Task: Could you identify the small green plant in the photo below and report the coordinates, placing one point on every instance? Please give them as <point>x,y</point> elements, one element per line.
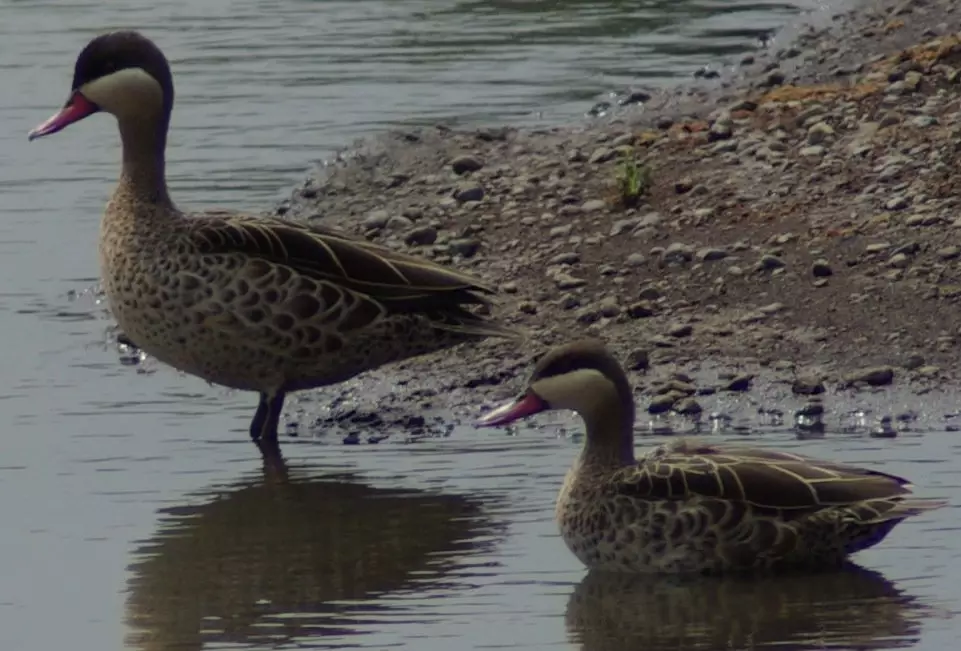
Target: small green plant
<point>633,182</point>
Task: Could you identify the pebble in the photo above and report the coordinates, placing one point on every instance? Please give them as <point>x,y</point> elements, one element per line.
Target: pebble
<point>466,163</point>
<point>376,220</point>
<point>420,236</point>
<point>466,247</point>
<point>821,269</point>
<point>635,260</point>
<point>807,386</point>
<point>770,262</point>
<point>812,409</point>
<point>677,252</point>
<point>660,404</point>
<point>593,205</point>
<point>875,376</point>
<point>683,185</point>
<point>639,359</point>
<point>722,129</point>
<point>740,382</point>
<point>640,310</point>
<point>565,281</point>
<point>681,330</point>
<point>948,252</point>
<point>819,133</point>
<point>897,203</point>
<point>709,254</point>
<point>470,192</point>
<point>601,155</point>
<point>687,407</point>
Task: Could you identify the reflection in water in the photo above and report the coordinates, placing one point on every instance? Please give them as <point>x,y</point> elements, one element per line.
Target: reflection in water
<point>856,608</point>
<point>276,558</point>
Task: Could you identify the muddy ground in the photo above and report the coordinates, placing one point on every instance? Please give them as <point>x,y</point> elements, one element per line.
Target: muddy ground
<point>790,221</point>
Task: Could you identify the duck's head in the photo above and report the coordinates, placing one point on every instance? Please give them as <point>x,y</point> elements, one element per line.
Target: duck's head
<point>581,376</point>
<point>122,73</point>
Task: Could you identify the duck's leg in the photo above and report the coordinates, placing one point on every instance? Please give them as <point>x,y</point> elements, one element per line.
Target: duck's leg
<point>263,428</point>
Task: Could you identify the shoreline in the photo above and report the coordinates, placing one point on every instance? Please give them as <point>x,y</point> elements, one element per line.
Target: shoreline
<point>790,223</point>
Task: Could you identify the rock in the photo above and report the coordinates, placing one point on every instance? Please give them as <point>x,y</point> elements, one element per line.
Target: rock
<point>948,252</point>
<point>913,361</point>
<point>688,407</point>
<point>609,308</point>
<point>819,133</point>
<point>821,269</point>
<point>664,122</point>
<point>812,151</point>
<point>709,254</point>
<point>899,261</point>
<point>677,252</point>
<point>771,262</point>
<point>807,386</point>
<point>683,185</point>
<point>565,281</point>
<point>569,257</point>
<point>875,376</point>
<point>399,223</point>
<point>623,225</point>
<point>635,260</point>
<point>639,359</point>
<point>923,121</point>
<point>812,409</point>
<point>466,246</point>
<point>469,192</point>
<point>929,370</point>
<point>601,155</point>
<point>420,236</point>
<point>588,315</point>
<point>640,310</point>
<point>660,404</point>
<point>466,163</point>
<point>740,382</point>
<point>896,203</point>
<point>774,78</point>
<point>376,220</point>
<point>681,330</point>
<point>593,205</point>
<point>722,129</point>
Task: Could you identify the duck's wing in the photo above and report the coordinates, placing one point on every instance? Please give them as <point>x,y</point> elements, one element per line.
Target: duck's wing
<point>395,281</point>
<point>764,479</point>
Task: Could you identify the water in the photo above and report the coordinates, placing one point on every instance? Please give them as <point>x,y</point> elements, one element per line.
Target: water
<point>136,512</point>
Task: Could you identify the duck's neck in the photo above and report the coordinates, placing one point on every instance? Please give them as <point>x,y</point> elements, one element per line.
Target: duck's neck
<point>610,434</point>
<point>143,173</point>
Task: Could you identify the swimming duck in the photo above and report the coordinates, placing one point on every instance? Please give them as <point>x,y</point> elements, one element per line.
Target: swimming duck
<point>251,303</point>
<point>690,506</point>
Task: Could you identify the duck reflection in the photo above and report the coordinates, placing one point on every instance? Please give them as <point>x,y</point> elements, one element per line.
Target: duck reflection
<point>275,558</point>
<point>854,608</point>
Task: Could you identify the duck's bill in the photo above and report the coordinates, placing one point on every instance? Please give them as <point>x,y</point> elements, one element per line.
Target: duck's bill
<point>77,108</point>
<point>527,405</point>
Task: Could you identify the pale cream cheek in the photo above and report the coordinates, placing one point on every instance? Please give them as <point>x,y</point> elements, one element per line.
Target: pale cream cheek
<point>125,93</point>
<point>586,391</point>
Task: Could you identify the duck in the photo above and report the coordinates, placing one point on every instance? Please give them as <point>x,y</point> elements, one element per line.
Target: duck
<point>243,301</point>
<point>693,506</point>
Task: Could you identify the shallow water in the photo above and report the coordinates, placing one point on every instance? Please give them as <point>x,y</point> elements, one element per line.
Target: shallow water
<point>136,512</point>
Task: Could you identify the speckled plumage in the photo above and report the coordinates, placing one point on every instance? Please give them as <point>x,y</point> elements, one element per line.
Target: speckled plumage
<point>254,303</point>
<point>691,506</point>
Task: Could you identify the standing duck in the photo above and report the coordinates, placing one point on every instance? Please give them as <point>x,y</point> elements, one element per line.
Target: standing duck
<point>696,507</point>
<point>250,303</point>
